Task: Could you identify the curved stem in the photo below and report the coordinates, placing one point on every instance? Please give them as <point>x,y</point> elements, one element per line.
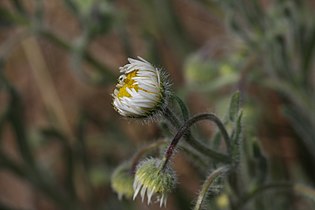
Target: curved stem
<point>207,184</point>
<point>185,128</point>
<point>142,151</point>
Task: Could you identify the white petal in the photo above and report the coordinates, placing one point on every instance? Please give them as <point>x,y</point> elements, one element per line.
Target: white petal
<point>161,200</point>
<point>137,188</point>
<point>150,193</point>
<point>143,193</point>
<point>165,200</point>
<point>120,196</point>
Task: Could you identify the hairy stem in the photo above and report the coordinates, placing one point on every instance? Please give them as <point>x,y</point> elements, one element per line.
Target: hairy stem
<point>143,151</point>
<point>194,143</point>
<point>207,184</point>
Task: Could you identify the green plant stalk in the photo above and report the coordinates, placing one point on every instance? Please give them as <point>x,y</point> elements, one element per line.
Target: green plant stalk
<point>143,151</point>
<point>207,184</point>
<point>195,143</point>
<point>185,128</point>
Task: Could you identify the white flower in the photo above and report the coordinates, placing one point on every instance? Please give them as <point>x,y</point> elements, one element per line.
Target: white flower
<point>151,179</point>
<point>141,90</point>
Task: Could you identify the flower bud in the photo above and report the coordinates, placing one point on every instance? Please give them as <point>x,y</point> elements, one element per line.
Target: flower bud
<point>122,180</point>
<point>151,179</point>
<point>142,90</point>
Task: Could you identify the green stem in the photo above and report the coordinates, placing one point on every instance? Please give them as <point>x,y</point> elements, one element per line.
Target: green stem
<point>207,184</point>
<point>185,128</point>
<point>172,118</point>
<point>191,140</point>
<point>143,151</point>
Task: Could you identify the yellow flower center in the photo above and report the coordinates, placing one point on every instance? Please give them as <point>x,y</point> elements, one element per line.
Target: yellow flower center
<point>128,82</point>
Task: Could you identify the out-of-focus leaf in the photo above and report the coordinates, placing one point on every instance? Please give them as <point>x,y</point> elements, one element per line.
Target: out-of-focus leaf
<point>216,140</point>
<point>236,139</point>
<point>303,127</point>
<point>104,74</point>
<point>217,84</point>
<point>96,17</point>
<point>309,50</point>
<point>182,107</point>
<point>6,207</point>
<point>102,17</point>
<point>3,118</point>
<point>19,6</point>
<point>50,133</point>
<point>6,19</point>
<point>16,118</point>
<point>234,106</point>
<point>68,155</point>
<point>99,176</point>
<point>72,6</point>
<point>305,191</point>
<point>198,70</point>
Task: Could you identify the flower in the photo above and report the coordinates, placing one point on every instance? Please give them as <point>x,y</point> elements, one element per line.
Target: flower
<point>142,90</point>
<point>150,178</point>
<point>122,180</point>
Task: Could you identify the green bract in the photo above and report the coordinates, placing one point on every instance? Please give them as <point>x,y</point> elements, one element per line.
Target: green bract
<point>151,179</point>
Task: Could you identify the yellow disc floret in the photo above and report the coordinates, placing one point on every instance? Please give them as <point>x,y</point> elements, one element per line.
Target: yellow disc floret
<point>128,82</point>
<point>140,91</point>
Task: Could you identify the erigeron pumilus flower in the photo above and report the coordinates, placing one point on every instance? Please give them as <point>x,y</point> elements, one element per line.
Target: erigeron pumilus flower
<point>151,179</point>
<point>122,181</point>
<point>142,90</point>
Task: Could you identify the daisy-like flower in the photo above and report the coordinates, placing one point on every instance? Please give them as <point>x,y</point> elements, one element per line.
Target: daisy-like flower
<point>142,90</point>
<point>151,180</point>
<point>122,181</point>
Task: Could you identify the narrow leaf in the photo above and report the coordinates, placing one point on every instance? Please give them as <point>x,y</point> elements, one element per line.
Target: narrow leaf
<point>234,106</point>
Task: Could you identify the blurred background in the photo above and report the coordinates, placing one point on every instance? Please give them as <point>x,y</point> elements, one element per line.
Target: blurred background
<point>60,138</point>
